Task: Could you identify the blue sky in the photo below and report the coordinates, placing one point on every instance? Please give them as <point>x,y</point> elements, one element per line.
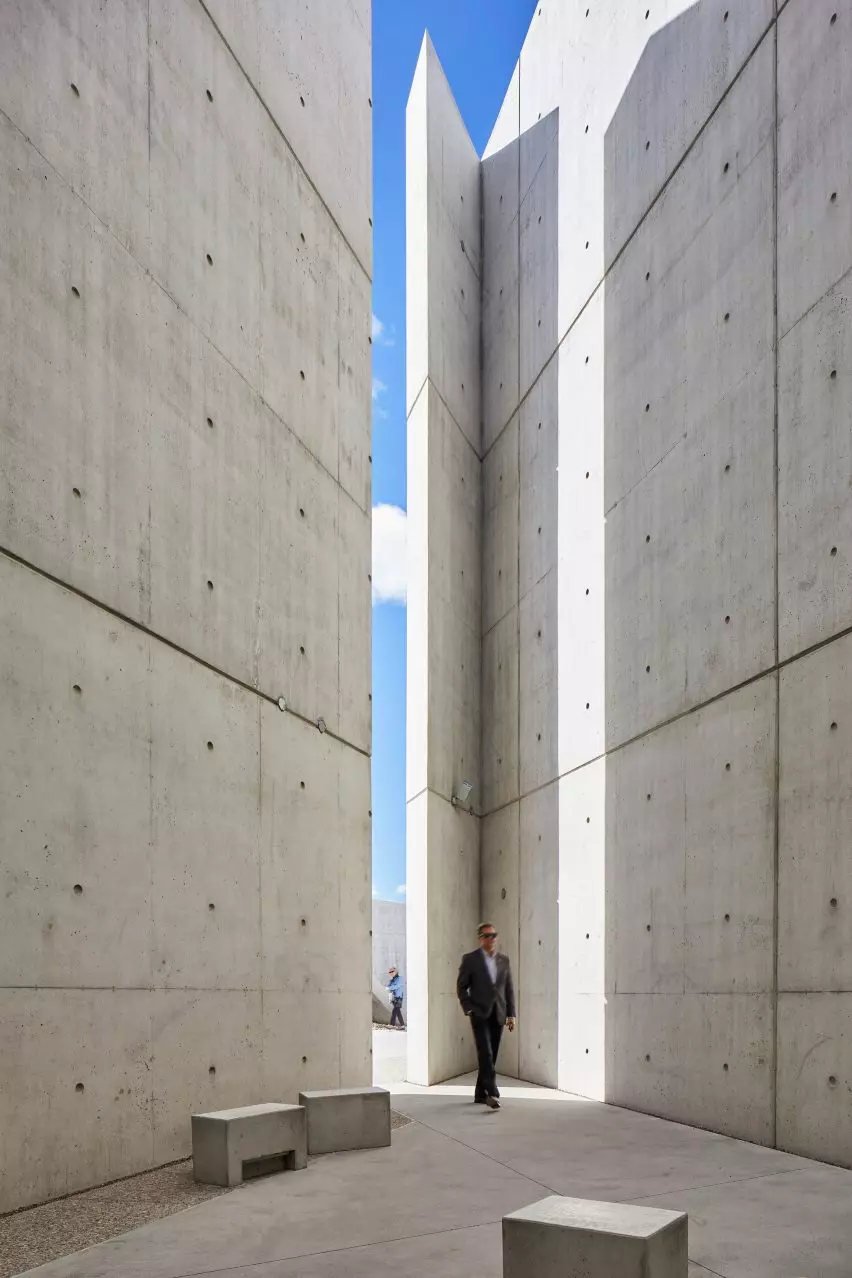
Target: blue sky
<point>478,42</point>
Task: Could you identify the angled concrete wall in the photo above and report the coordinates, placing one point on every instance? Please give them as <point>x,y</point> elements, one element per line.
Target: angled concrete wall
<point>184,539</point>
<point>677,321</point>
<point>444,538</point>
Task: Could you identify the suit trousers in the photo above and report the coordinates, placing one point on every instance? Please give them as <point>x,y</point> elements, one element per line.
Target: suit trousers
<point>487,1032</point>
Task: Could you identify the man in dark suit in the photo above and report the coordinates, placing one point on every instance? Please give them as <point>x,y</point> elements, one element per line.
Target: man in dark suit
<point>487,996</point>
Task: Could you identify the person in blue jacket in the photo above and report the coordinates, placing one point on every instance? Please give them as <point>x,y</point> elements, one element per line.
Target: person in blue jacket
<point>394,988</point>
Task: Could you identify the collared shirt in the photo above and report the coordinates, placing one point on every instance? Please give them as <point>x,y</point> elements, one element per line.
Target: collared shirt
<point>491,964</point>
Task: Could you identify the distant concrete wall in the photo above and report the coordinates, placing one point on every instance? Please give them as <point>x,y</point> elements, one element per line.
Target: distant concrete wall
<point>389,940</point>
<point>444,539</point>
<point>690,164</point>
<point>185,263</point>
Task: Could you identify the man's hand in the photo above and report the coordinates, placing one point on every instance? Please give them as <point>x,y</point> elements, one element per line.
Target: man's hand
<point>510,1023</point>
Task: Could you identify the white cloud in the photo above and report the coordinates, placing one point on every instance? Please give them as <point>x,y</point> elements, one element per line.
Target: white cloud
<point>390,554</point>
<point>400,891</point>
<point>382,336</point>
<point>379,388</point>
<point>375,891</point>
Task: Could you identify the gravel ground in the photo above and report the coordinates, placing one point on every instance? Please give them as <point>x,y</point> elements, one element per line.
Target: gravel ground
<point>39,1234</point>
<point>33,1237</point>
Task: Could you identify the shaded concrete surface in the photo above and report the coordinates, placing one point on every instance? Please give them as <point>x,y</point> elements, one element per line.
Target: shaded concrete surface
<point>433,1202</point>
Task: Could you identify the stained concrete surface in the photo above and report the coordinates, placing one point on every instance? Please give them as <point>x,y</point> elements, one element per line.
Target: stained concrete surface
<point>432,1204</point>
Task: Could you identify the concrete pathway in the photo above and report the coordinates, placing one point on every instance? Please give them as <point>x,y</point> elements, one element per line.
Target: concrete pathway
<point>432,1204</point>
<point>390,1056</point>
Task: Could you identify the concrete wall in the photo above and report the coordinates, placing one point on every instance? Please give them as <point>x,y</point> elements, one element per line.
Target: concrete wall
<point>680,315</point>
<point>444,540</point>
<point>184,539</point>
<point>389,941</point>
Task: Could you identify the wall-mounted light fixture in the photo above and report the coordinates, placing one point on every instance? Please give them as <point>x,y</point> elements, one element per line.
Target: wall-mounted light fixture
<point>461,794</point>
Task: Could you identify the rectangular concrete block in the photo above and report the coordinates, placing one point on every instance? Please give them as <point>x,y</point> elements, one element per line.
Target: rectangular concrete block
<point>581,1238</point>
<point>347,1118</point>
<point>223,1142</point>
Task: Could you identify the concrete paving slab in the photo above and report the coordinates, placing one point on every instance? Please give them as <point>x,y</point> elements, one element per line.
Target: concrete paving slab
<point>432,1204</point>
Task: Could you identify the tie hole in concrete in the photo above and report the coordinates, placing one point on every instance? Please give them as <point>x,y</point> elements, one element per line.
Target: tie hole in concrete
<point>78,889</point>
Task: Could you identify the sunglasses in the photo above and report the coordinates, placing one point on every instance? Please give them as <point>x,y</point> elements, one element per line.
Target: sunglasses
<point>489,936</point>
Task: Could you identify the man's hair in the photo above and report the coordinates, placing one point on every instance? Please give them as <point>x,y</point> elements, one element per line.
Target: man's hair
<point>483,927</point>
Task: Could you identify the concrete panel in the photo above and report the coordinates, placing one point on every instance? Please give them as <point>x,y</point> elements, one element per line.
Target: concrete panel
<point>455,516</point>
<point>355,1040</point>
<point>705,252</point>
<point>500,290</point>
<point>702,1059</point>
<point>684,72</point>
<point>815,475</point>
<point>815,822</point>
<point>539,255</point>
<point>416,234</point>
<point>74,791</point>
<point>417,936</point>
<point>453,903</point>
<point>75,499</point>
<point>454,701</point>
<point>500,740</point>
<point>500,894</point>
<point>204,761</point>
<point>538,945</point>
<point>814,154</point>
<point>354,408</point>
<point>83,102</point>
<point>205,1054</point>
<point>301,1043</point>
<point>454,281</point>
<point>582,922</point>
<point>417,603</point>
<point>205,156</point>
<point>310,62</point>
<point>539,457</point>
<point>581,644</point>
<point>204,475</point>
<point>690,819</point>
<point>500,528</point>
<point>300,306</point>
<point>354,622</point>
<point>815,1076</point>
<point>299,586</point>
<point>388,919</point>
<point>538,686</point>
<point>690,580</point>
<point>315,921</point>
<point>83,1055</point>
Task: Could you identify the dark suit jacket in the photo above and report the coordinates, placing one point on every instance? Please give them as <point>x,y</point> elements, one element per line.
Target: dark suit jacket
<point>478,994</point>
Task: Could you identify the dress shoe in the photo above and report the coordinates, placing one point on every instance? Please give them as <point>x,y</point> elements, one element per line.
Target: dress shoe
<point>492,1102</point>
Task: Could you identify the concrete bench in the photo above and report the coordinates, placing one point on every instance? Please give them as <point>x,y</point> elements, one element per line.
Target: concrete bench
<point>233,1143</point>
<point>349,1118</point>
<point>574,1237</point>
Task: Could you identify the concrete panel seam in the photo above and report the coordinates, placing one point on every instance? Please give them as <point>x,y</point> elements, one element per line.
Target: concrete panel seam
<point>682,439</point>
<point>775,669</point>
<point>189,319</point>
<point>776,836</point>
<point>175,647</point>
<point>427,381</point>
<point>283,135</point>
<point>842,279</point>
<point>521,597</point>
<point>601,282</point>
